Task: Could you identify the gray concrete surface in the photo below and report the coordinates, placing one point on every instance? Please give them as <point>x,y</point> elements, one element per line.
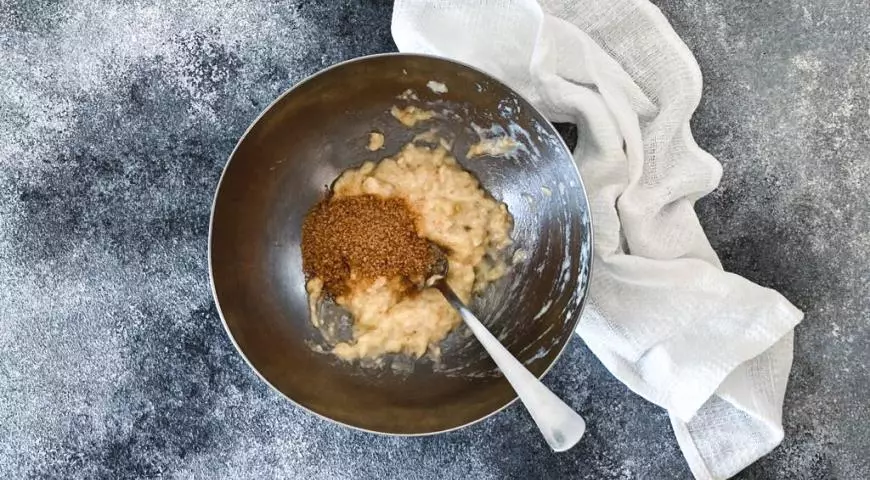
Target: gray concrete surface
<point>115,122</point>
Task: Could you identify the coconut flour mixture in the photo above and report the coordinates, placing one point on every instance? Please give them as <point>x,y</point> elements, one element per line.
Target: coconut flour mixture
<point>364,247</point>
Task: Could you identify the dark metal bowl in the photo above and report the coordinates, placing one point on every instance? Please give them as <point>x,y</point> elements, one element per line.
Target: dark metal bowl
<point>299,145</point>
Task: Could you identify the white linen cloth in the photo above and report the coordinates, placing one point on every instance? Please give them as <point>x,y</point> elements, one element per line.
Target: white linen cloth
<point>711,347</point>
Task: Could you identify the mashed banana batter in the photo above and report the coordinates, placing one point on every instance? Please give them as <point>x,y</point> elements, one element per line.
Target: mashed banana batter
<point>376,141</point>
<point>410,115</point>
<point>455,213</point>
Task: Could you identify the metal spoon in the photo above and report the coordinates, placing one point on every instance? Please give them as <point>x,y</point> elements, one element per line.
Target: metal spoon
<point>561,426</point>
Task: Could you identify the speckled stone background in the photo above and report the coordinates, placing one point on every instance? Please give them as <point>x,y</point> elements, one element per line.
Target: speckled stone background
<point>115,122</point>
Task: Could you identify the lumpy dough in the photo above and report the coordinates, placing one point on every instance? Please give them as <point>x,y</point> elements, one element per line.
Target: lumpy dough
<point>455,213</point>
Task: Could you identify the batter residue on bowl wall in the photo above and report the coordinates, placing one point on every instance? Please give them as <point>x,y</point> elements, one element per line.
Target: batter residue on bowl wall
<point>436,87</point>
<point>494,141</point>
<point>376,141</point>
<point>410,115</point>
<point>452,211</point>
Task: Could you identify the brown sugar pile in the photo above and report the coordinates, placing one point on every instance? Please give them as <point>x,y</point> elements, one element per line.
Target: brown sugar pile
<point>370,235</point>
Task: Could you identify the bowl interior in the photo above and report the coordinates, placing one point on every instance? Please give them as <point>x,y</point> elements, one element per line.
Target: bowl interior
<point>297,148</point>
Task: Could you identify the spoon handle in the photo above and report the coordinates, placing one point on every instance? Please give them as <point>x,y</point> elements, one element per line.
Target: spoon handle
<point>561,426</point>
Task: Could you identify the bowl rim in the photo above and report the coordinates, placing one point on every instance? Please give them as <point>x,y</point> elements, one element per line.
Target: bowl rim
<point>289,90</point>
